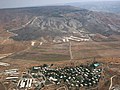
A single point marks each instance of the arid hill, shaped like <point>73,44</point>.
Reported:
<point>56,22</point>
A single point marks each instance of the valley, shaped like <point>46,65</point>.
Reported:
<point>53,38</point>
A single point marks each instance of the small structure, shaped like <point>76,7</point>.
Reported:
<point>41,43</point>
<point>11,78</point>
<point>11,71</point>
<point>4,64</point>
<point>32,43</point>
<point>94,65</point>
<point>25,83</point>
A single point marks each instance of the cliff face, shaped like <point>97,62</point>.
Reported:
<point>58,22</point>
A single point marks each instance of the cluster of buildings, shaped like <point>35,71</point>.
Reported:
<point>72,77</point>
<point>63,39</point>
<point>11,71</point>
<point>25,83</point>
<point>34,43</point>
<point>72,38</point>
<point>10,77</point>
<point>77,39</point>
<point>38,77</point>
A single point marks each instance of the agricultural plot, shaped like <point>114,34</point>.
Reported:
<point>80,50</point>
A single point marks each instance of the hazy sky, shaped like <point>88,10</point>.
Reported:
<point>27,3</point>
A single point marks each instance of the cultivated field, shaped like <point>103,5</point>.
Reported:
<point>80,50</point>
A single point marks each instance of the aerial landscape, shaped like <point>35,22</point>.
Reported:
<point>67,46</point>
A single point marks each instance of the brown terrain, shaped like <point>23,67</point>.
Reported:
<point>90,52</point>
<point>104,47</point>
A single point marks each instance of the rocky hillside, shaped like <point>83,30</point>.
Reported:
<point>56,23</point>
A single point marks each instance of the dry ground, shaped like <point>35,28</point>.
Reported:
<point>60,52</point>
<point>83,53</point>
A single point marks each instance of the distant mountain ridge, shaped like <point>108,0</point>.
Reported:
<point>56,23</point>
<point>105,6</point>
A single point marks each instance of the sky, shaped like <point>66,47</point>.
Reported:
<point>28,3</point>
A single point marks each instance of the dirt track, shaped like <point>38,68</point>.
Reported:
<point>2,86</point>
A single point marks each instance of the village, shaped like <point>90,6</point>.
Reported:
<point>39,77</point>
